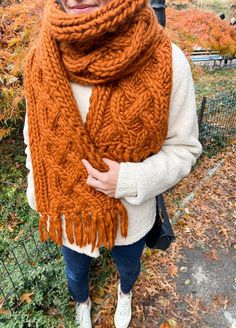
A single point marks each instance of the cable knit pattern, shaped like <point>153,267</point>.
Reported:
<point>126,55</point>
<point>164,169</point>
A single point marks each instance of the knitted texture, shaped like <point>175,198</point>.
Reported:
<point>125,55</point>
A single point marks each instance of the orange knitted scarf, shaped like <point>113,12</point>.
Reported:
<point>125,55</point>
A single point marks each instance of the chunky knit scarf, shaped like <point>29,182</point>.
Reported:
<point>125,55</point>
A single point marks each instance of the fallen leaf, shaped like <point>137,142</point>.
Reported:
<point>19,234</point>
<point>98,300</point>
<point>148,252</point>
<point>212,255</point>
<point>163,301</point>
<point>1,302</point>
<point>172,270</point>
<point>172,323</point>
<point>101,292</point>
<point>3,311</point>
<point>53,312</point>
<point>27,297</point>
<point>182,222</point>
<point>187,282</point>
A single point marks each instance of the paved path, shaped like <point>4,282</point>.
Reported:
<point>212,281</point>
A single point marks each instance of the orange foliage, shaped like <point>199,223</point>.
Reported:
<point>18,25</point>
<point>193,27</point>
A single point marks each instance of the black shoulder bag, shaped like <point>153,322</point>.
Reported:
<point>161,235</point>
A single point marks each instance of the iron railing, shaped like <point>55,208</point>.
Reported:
<point>217,118</point>
<point>16,263</point>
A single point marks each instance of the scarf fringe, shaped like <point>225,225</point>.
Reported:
<point>97,229</point>
<point>43,234</point>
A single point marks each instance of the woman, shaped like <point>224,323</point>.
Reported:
<point>111,122</point>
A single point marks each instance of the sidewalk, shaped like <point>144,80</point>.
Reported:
<point>193,284</point>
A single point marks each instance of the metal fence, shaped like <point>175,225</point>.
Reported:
<point>217,119</point>
<point>16,263</point>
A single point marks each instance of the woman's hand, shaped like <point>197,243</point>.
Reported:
<point>104,182</point>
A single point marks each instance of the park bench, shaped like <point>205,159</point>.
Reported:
<point>205,55</point>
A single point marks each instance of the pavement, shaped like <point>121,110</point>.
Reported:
<point>212,281</point>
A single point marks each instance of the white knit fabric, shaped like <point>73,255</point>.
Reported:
<point>138,183</point>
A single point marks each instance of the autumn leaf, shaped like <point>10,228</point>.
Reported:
<point>182,222</point>
<point>19,234</point>
<point>172,270</point>
<point>101,292</point>
<point>14,41</point>
<point>172,323</point>
<point>3,311</point>
<point>27,297</point>
<point>163,301</point>
<point>98,300</point>
<point>148,251</point>
<point>212,255</point>
<point>53,312</point>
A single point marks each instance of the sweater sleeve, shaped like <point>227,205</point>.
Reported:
<point>138,182</point>
<point>30,180</point>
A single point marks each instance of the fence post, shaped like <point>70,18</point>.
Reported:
<point>203,106</point>
<point>160,9</point>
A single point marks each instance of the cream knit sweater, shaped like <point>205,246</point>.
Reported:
<point>139,183</point>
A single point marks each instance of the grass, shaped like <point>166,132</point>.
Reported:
<point>214,82</point>
<point>15,213</point>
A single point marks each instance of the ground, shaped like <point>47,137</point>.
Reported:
<point>193,283</point>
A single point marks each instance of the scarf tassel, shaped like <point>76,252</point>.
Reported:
<point>99,229</point>
<point>43,233</point>
<point>78,230</point>
<point>55,228</point>
<point>70,222</point>
<point>123,219</point>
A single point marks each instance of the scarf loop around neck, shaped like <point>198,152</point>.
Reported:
<point>125,55</point>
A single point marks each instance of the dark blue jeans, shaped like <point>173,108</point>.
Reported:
<point>127,260</point>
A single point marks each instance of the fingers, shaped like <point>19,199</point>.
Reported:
<point>104,182</point>
<point>92,171</point>
<point>97,184</point>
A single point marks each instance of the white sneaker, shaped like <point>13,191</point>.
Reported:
<point>123,309</point>
<point>83,316</point>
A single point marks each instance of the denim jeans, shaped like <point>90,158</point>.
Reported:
<point>127,260</point>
